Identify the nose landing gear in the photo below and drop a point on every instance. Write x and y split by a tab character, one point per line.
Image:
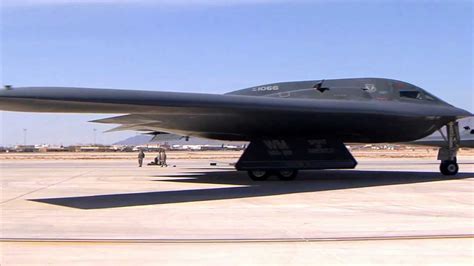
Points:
447	155
449	167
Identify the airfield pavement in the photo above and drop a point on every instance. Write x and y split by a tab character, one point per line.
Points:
66	210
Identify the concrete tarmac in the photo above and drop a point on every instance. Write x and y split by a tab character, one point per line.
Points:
387	211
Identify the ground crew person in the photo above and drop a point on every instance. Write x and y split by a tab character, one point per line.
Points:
141	156
163	157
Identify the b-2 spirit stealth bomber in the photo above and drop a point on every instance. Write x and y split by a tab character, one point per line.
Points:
291	126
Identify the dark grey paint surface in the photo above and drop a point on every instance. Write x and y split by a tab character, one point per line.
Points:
466	133
352	110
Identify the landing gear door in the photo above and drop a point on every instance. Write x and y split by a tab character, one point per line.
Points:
296	154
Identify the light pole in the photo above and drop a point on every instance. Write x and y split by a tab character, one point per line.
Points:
95	136
25	132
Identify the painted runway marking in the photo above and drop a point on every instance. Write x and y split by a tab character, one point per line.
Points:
223	241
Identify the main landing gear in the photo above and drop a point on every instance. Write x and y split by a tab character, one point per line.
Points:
447	155
284	157
262	175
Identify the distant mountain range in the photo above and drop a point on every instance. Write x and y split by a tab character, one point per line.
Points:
147	139
135	141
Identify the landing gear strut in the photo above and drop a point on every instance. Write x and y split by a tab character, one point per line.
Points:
447	155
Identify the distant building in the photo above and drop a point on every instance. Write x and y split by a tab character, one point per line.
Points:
99	148
50	148
25	148
149	148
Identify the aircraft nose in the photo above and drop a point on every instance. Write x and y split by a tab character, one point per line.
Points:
459	112
464	113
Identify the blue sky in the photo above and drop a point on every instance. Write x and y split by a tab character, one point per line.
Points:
219	46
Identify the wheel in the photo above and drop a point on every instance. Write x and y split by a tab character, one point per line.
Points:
449	167
287	175
258	175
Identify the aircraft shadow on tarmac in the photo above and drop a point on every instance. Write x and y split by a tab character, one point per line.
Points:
310	181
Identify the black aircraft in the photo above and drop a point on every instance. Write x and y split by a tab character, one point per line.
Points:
291	126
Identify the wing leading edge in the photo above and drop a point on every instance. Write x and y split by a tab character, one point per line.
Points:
85	100
238	117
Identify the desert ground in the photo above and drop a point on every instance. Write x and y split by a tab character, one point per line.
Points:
86	208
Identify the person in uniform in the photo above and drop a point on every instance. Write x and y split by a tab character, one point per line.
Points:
141	156
163	158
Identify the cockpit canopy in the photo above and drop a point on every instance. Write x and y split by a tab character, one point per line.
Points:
409	92
356	89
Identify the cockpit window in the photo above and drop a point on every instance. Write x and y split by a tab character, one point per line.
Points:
429	97
410	94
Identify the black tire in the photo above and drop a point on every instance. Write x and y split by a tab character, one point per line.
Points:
449	168
258	175
287	175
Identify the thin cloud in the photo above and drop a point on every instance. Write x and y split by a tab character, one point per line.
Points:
32	3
